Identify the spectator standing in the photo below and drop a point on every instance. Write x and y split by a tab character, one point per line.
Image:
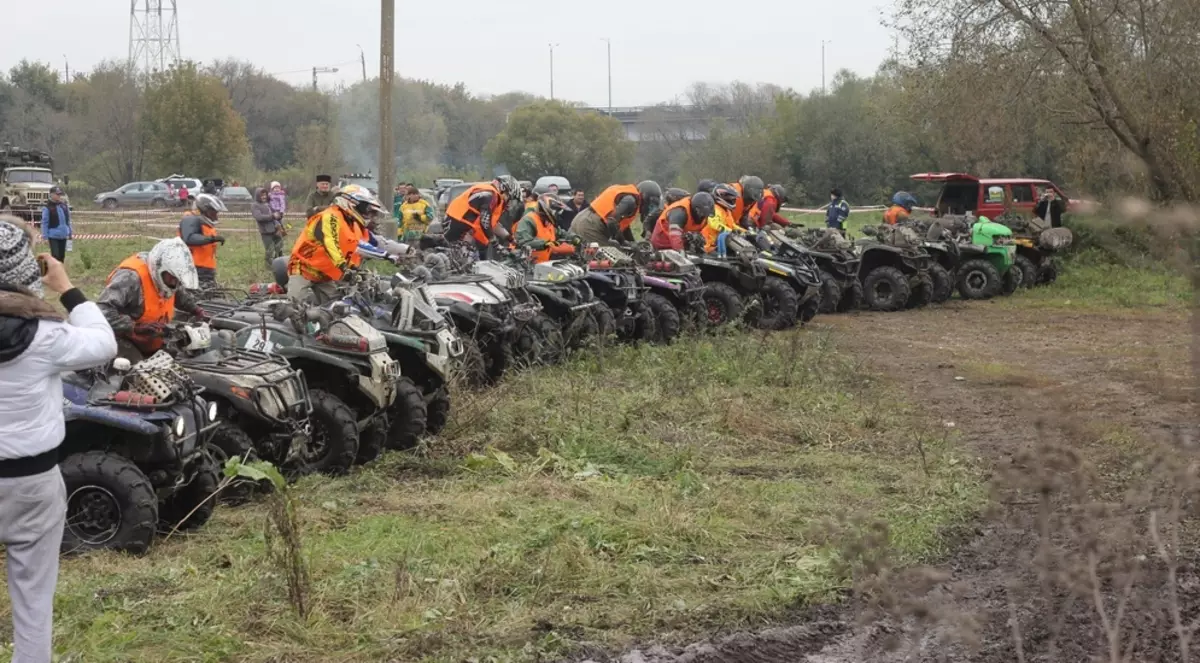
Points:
575	205
183	195
270	228
415	214
37	344
838	211
1050	209
320	197
56	224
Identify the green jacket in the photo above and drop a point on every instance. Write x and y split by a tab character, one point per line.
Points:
318	201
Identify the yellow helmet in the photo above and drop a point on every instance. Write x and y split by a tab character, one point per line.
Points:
358	202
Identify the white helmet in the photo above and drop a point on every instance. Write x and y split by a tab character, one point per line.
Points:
207	201
172	256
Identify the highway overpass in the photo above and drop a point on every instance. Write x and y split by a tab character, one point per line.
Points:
653	123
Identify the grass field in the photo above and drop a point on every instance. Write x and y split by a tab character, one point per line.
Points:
641	493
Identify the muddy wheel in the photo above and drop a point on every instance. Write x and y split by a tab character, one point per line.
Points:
666	317
1047	273
1029	271
438	412
227	441
723	304
473	366
885	289
852	297
645	326
695	317
809	310
407	416
920	291
831	293
943	283
496	358
540	341
372	440
333	445
604	327
1011	281
780	304
978	279
190	507
110	504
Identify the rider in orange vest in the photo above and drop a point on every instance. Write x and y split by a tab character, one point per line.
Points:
538	229
767	210
689	215
611	214
142	294
327	249
749	191
476	212
902	205
199	231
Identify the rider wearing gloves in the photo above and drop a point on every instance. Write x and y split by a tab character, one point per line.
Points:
327	249
199	231
689	215
767	209
610	215
144	291
538	229
477	211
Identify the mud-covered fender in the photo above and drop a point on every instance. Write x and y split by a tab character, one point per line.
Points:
106	416
293	352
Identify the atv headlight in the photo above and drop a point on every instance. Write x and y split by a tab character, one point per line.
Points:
179	427
212	412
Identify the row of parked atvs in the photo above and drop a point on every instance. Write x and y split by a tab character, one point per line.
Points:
324	388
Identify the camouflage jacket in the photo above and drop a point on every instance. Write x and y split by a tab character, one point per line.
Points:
121	301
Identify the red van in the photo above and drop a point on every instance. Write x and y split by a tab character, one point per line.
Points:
989	197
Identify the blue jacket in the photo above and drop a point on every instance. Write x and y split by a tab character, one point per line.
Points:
63	230
838	212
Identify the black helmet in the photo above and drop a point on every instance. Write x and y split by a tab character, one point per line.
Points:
650	191
726	196
674	195
703	205
780	192
549	206
706	186
752	187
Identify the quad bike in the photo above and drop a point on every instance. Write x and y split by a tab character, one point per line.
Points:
497	317
806	279
988	261
676	291
420	338
265	408
352	380
562	288
617	282
894	269
834	256
746	284
134	460
942	241
1036	248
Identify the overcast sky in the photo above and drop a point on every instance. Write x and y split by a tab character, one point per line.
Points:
658	46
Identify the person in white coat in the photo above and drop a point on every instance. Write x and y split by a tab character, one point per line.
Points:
37	343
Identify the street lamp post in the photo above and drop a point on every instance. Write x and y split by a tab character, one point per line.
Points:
552	71
609	42
823	42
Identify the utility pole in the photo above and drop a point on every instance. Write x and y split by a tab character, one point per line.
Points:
609	42
387	68
66	69
363	57
823	42
552	71
322	70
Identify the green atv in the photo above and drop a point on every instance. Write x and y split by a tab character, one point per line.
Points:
986	263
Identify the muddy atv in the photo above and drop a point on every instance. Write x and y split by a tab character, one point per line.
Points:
894	269
263	404
835	259
351	378
988	260
676	291
134	459
421	339
561	287
1036	248
733	285
941	239
617	282
782	254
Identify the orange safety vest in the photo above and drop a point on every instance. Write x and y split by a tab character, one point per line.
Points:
309	256
691	226
756	210
460	210
204	256
606	202
545	230
155	307
894	215
739	209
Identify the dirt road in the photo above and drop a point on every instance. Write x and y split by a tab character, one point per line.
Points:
1031	390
